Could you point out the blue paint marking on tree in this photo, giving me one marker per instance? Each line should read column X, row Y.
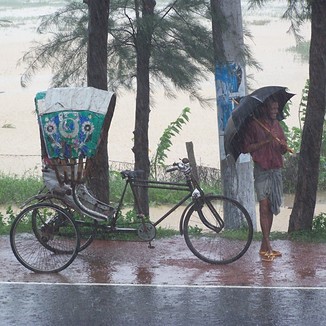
column 230, row 85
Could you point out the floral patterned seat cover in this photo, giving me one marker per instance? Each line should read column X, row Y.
column 71, row 120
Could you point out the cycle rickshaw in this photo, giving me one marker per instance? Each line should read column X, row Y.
column 64, row 217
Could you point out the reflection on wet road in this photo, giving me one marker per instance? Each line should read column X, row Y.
column 91, row 304
column 125, row 283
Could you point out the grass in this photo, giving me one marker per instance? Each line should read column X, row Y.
column 313, row 236
column 14, row 190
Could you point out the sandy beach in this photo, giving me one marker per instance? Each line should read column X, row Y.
column 20, row 146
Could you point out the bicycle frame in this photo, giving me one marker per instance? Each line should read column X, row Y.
column 191, row 186
column 135, row 183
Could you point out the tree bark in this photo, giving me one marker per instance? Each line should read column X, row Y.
column 98, row 12
column 237, row 178
column 141, row 142
column 97, row 77
column 308, row 165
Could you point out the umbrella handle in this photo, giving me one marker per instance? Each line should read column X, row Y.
column 276, row 138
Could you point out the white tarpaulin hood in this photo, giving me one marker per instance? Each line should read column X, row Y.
column 75, row 99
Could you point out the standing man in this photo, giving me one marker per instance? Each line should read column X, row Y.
column 266, row 142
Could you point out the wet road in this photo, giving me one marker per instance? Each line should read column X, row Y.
column 125, row 283
column 61, row 304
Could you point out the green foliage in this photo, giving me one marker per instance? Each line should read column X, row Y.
column 161, row 197
column 294, row 135
column 195, row 230
column 181, row 49
column 302, row 50
column 117, row 185
column 15, row 190
column 178, row 34
column 130, row 217
column 319, row 223
column 313, row 236
column 290, row 173
column 303, row 103
column 308, row 236
column 165, row 232
column 318, row 232
column 165, row 141
column 65, row 53
column 294, row 141
column 6, row 220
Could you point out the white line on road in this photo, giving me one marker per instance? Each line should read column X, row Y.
column 170, row 285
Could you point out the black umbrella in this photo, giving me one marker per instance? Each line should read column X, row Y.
column 248, row 108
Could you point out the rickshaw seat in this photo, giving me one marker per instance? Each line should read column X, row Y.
column 71, row 122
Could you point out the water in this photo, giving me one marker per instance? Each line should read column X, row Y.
column 269, row 46
column 20, row 18
column 21, row 12
column 18, row 10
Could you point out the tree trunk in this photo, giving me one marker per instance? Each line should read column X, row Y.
column 308, row 169
column 237, row 179
column 141, row 142
column 97, row 77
